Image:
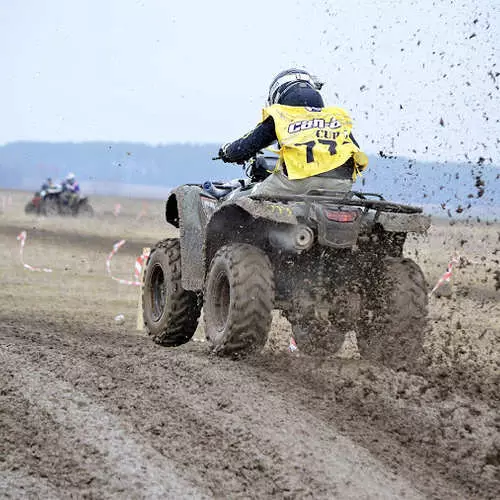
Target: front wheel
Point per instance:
(394, 330)
(170, 313)
(50, 206)
(239, 298)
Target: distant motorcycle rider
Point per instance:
(316, 147)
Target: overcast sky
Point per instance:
(420, 78)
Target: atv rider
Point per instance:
(47, 184)
(70, 190)
(316, 147)
(49, 187)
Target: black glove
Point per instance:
(222, 153)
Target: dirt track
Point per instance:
(89, 408)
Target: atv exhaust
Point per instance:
(292, 238)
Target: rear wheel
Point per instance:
(394, 327)
(170, 313)
(85, 209)
(239, 297)
(30, 208)
(321, 320)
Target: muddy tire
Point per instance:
(238, 299)
(312, 328)
(395, 332)
(30, 208)
(170, 313)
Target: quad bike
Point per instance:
(330, 262)
(33, 206)
(53, 201)
(81, 206)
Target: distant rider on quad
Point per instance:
(70, 190)
(49, 187)
(316, 147)
(47, 184)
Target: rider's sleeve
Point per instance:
(353, 140)
(262, 136)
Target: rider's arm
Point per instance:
(262, 136)
(353, 140)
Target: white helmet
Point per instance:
(286, 80)
(70, 176)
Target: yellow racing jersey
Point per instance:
(312, 140)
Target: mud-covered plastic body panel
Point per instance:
(184, 211)
(270, 210)
(410, 223)
(206, 223)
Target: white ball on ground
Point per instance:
(119, 319)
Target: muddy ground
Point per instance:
(92, 408)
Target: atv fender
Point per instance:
(397, 222)
(242, 220)
(275, 212)
(182, 210)
(204, 227)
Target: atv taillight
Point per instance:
(341, 215)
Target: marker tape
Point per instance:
(447, 275)
(139, 264)
(22, 238)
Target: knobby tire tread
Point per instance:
(396, 335)
(252, 298)
(180, 318)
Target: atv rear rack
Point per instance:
(342, 198)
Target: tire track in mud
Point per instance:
(21, 485)
(411, 420)
(260, 425)
(122, 463)
(240, 448)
